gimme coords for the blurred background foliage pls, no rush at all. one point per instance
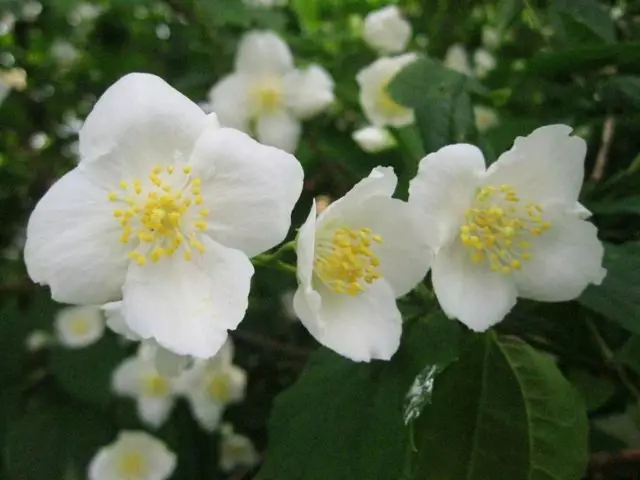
(569, 61)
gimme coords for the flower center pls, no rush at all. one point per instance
(498, 228)
(132, 466)
(79, 326)
(219, 388)
(345, 262)
(156, 385)
(266, 96)
(161, 215)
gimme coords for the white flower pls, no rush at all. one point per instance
(377, 104)
(135, 456)
(138, 378)
(37, 340)
(373, 139)
(386, 30)
(78, 327)
(84, 12)
(513, 230)
(64, 53)
(163, 211)
(457, 59)
(210, 385)
(354, 260)
(490, 38)
(483, 62)
(236, 450)
(267, 94)
(485, 117)
(265, 3)
(12, 79)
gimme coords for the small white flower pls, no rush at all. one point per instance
(210, 385)
(84, 12)
(38, 140)
(266, 94)
(265, 3)
(133, 456)
(485, 117)
(31, 10)
(354, 260)
(490, 38)
(7, 22)
(373, 139)
(64, 53)
(386, 30)
(377, 104)
(12, 79)
(78, 327)
(163, 211)
(457, 59)
(236, 450)
(483, 62)
(71, 125)
(37, 340)
(138, 378)
(513, 230)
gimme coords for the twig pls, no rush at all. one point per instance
(603, 154)
(269, 344)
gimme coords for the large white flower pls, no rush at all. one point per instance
(267, 95)
(360, 254)
(138, 378)
(512, 230)
(163, 211)
(377, 104)
(134, 455)
(386, 30)
(78, 327)
(236, 450)
(210, 385)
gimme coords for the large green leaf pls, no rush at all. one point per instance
(586, 58)
(591, 14)
(618, 298)
(502, 411)
(344, 420)
(622, 91)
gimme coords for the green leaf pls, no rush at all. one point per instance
(587, 58)
(629, 353)
(618, 298)
(622, 91)
(307, 12)
(503, 410)
(595, 390)
(508, 11)
(591, 14)
(626, 205)
(344, 420)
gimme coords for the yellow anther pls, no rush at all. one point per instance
(157, 169)
(187, 255)
(515, 264)
(117, 213)
(199, 200)
(201, 225)
(170, 169)
(186, 169)
(204, 212)
(123, 184)
(113, 196)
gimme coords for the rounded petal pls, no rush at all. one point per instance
(140, 121)
(155, 411)
(127, 377)
(263, 52)
(470, 292)
(229, 99)
(308, 91)
(78, 327)
(362, 327)
(373, 139)
(187, 307)
(564, 260)
(386, 30)
(545, 167)
(207, 413)
(305, 248)
(279, 129)
(445, 187)
(116, 322)
(253, 189)
(170, 364)
(73, 243)
(404, 254)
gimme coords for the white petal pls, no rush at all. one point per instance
(546, 167)
(73, 243)
(305, 248)
(373, 139)
(187, 307)
(263, 52)
(155, 411)
(79, 327)
(470, 292)
(308, 91)
(565, 259)
(170, 364)
(279, 129)
(404, 254)
(386, 30)
(235, 451)
(116, 322)
(253, 189)
(376, 103)
(128, 376)
(229, 99)
(207, 413)
(457, 59)
(362, 327)
(140, 121)
(445, 186)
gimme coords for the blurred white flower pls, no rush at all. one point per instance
(377, 104)
(133, 221)
(266, 94)
(483, 62)
(154, 393)
(265, 3)
(37, 340)
(38, 140)
(133, 456)
(513, 230)
(71, 124)
(30, 10)
(84, 13)
(286, 300)
(64, 53)
(373, 139)
(457, 59)
(485, 117)
(354, 260)
(12, 79)
(236, 450)
(386, 30)
(490, 38)
(7, 21)
(210, 385)
(78, 327)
